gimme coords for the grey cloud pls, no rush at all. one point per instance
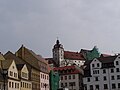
(78, 24)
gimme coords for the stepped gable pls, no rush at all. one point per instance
(73, 55)
(67, 70)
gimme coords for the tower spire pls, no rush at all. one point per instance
(57, 42)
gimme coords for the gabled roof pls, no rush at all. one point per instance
(1, 56)
(36, 61)
(20, 66)
(73, 55)
(9, 55)
(6, 64)
(107, 59)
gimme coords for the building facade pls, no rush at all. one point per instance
(38, 66)
(102, 73)
(70, 77)
(66, 58)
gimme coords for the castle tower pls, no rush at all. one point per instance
(58, 53)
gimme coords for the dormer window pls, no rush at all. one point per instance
(93, 65)
(11, 73)
(24, 74)
(98, 65)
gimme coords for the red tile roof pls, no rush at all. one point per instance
(73, 69)
(73, 55)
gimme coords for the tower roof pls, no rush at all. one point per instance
(58, 45)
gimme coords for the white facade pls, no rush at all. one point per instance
(59, 56)
(68, 80)
(71, 62)
(103, 78)
(44, 81)
(58, 53)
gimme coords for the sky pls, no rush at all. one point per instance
(78, 24)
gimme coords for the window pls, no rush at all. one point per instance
(9, 84)
(11, 73)
(117, 69)
(61, 77)
(15, 74)
(93, 65)
(73, 76)
(98, 65)
(118, 76)
(104, 71)
(25, 85)
(29, 85)
(72, 84)
(15, 85)
(41, 75)
(97, 87)
(105, 86)
(65, 77)
(66, 84)
(96, 72)
(104, 78)
(91, 87)
(18, 85)
(21, 84)
(112, 70)
(113, 86)
(69, 76)
(112, 78)
(96, 78)
(117, 63)
(88, 79)
(118, 85)
(61, 84)
(24, 74)
(47, 77)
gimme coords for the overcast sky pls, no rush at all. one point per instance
(78, 23)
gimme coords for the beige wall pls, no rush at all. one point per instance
(12, 71)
